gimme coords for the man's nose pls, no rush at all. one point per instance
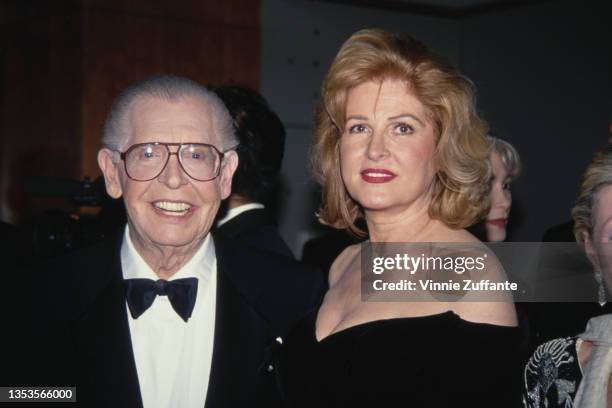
(173, 174)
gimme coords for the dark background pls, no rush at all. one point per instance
(543, 70)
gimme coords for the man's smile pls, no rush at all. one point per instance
(173, 208)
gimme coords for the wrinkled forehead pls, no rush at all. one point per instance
(187, 119)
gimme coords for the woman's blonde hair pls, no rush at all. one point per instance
(507, 154)
(460, 187)
(596, 176)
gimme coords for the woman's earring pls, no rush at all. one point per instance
(601, 293)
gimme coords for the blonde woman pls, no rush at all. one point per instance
(575, 371)
(398, 142)
(505, 167)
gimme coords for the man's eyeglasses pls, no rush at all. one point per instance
(146, 161)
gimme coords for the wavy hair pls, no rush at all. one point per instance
(461, 151)
(597, 175)
(507, 154)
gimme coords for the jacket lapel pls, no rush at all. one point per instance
(231, 323)
(238, 371)
(106, 363)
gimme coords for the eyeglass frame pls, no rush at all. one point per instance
(221, 154)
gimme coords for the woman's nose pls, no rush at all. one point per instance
(501, 198)
(377, 147)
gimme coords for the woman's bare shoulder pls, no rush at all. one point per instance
(460, 236)
(497, 313)
(482, 306)
(341, 263)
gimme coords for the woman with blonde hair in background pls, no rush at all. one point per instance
(575, 371)
(505, 167)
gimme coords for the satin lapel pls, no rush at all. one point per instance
(107, 366)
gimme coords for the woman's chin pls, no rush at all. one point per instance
(376, 206)
(496, 234)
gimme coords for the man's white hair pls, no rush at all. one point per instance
(169, 88)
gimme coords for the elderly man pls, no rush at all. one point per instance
(168, 315)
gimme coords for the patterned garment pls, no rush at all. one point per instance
(552, 375)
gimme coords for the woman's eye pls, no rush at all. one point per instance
(358, 129)
(403, 129)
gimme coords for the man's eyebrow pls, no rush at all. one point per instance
(409, 115)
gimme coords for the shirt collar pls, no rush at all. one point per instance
(236, 211)
(199, 266)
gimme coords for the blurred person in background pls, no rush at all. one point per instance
(575, 371)
(505, 166)
(261, 145)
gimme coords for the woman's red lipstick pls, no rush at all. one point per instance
(377, 175)
(499, 222)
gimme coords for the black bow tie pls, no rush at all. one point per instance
(140, 294)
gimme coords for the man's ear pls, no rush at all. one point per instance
(111, 172)
(591, 251)
(228, 168)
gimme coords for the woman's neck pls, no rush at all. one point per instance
(406, 225)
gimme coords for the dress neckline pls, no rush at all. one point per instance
(448, 313)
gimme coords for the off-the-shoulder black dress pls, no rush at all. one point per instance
(432, 361)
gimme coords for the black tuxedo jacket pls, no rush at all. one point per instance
(78, 333)
(256, 229)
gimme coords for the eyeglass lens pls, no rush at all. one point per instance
(147, 161)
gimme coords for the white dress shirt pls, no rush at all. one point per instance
(236, 211)
(173, 357)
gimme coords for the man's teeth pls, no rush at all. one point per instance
(172, 207)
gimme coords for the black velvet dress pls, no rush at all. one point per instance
(432, 361)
